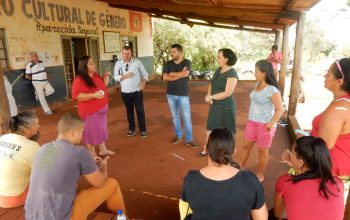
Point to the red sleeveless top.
(340, 153)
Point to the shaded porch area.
(146, 168)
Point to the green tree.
(315, 41)
(201, 43)
(203, 58)
(165, 34)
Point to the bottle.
(120, 215)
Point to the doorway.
(73, 49)
(79, 49)
(130, 41)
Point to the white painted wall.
(23, 34)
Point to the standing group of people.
(265, 107)
(221, 190)
(319, 180)
(91, 92)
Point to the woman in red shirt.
(90, 90)
(333, 124)
(313, 193)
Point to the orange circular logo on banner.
(135, 21)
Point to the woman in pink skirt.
(90, 90)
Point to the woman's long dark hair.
(83, 72)
(265, 66)
(315, 154)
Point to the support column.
(278, 37)
(294, 88)
(347, 208)
(285, 50)
(4, 106)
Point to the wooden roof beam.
(231, 5)
(253, 6)
(203, 10)
(213, 2)
(291, 4)
(209, 2)
(206, 18)
(210, 24)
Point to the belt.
(132, 92)
(39, 80)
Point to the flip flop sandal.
(107, 153)
(200, 154)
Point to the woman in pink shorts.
(265, 110)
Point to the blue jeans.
(177, 104)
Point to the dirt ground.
(146, 168)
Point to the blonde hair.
(68, 122)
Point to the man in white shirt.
(35, 71)
(132, 77)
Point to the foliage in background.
(316, 43)
(165, 35)
(202, 43)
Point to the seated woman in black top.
(219, 190)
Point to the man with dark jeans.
(132, 77)
(176, 72)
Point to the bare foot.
(202, 154)
(107, 153)
(260, 177)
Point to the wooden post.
(277, 38)
(347, 209)
(294, 88)
(4, 106)
(285, 50)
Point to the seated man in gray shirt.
(55, 173)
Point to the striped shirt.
(37, 71)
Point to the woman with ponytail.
(17, 152)
(313, 193)
(219, 190)
(265, 110)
